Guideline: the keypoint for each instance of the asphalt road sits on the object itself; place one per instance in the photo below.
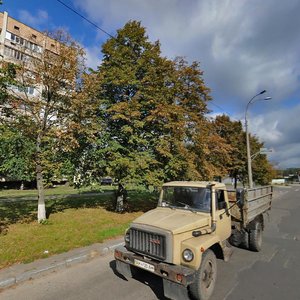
(273, 273)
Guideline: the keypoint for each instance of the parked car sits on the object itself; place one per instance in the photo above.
(106, 181)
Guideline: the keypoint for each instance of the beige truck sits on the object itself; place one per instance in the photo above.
(193, 224)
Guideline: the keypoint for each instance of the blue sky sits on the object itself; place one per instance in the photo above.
(243, 47)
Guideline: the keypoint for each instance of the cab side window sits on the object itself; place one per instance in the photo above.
(220, 197)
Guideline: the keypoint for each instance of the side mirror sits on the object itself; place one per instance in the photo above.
(240, 197)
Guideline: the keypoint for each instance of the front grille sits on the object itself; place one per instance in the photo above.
(148, 243)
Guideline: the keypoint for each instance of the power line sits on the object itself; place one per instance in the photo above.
(99, 28)
(221, 108)
(86, 19)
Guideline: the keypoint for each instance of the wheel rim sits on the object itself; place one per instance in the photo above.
(208, 275)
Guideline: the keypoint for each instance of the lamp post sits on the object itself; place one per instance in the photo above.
(261, 151)
(250, 180)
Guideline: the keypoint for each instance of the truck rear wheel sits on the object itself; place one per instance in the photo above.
(239, 239)
(255, 237)
(205, 278)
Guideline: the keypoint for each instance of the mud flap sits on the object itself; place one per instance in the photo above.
(176, 291)
(124, 269)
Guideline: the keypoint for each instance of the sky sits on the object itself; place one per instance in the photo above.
(243, 47)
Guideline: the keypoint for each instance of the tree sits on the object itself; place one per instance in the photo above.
(16, 155)
(132, 81)
(263, 171)
(232, 132)
(44, 105)
(205, 149)
(153, 110)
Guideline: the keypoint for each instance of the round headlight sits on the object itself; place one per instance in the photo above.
(127, 237)
(188, 255)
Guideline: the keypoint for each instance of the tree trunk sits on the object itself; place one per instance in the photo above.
(41, 195)
(40, 184)
(121, 201)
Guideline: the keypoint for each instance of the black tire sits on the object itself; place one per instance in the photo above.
(205, 278)
(235, 238)
(239, 239)
(255, 237)
(245, 240)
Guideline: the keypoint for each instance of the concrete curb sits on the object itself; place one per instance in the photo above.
(23, 272)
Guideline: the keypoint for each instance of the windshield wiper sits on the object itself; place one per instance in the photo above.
(184, 204)
(166, 204)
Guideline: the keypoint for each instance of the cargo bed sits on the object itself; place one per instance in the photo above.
(256, 202)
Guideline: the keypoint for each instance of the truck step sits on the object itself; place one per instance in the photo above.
(227, 250)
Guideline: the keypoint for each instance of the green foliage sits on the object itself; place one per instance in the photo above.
(262, 170)
(140, 118)
(56, 114)
(153, 113)
(232, 132)
(16, 155)
(7, 77)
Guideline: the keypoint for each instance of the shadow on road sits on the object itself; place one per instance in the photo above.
(154, 282)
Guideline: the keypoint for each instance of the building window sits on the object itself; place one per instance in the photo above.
(8, 51)
(16, 27)
(26, 89)
(18, 40)
(34, 36)
(18, 55)
(15, 54)
(30, 90)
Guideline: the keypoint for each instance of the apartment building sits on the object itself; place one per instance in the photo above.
(20, 42)
(18, 39)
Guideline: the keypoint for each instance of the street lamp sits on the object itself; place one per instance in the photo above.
(250, 180)
(261, 151)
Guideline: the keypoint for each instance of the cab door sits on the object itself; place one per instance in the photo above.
(223, 216)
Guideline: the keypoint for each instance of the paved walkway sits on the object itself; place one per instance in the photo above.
(22, 272)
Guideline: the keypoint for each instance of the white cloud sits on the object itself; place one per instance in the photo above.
(93, 58)
(280, 131)
(40, 18)
(243, 47)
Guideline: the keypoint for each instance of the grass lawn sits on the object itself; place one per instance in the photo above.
(59, 190)
(72, 222)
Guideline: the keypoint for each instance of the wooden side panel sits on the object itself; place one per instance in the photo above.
(257, 201)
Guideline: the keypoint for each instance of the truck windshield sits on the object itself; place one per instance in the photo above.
(186, 197)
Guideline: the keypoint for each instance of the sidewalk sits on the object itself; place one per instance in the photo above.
(22, 272)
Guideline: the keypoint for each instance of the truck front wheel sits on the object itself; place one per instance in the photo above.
(205, 278)
(255, 237)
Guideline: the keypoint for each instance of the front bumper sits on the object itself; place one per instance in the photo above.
(177, 274)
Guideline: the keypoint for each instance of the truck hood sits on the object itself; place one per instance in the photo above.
(174, 220)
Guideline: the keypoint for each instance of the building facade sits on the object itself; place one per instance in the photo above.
(20, 42)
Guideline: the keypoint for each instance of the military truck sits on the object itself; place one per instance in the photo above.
(193, 224)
